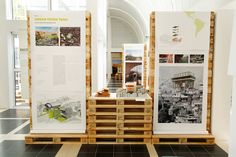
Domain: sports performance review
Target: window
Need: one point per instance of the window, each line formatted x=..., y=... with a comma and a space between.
x=20, y=7
x=68, y=4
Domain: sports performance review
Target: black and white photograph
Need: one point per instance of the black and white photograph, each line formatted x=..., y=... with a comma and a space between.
x=180, y=95
x=181, y=58
x=197, y=59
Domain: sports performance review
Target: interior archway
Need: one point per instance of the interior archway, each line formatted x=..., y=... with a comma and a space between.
x=125, y=25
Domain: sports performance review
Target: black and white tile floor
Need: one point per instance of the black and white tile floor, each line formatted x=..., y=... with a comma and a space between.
x=113, y=85
x=14, y=125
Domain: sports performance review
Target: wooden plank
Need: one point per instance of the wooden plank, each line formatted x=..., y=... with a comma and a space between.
x=151, y=150
x=145, y=67
x=116, y=98
x=184, y=136
x=152, y=56
x=120, y=136
x=69, y=150
x=210, y=72
x=29, y=70
x=125, y=113
x=191, y=139
x=88, y=55
x=124, y=128
x=125, y=106
x=55, y=138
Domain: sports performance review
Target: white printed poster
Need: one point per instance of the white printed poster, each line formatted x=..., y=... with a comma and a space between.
x=181, y=72
x=133, y=59
x=58, y=71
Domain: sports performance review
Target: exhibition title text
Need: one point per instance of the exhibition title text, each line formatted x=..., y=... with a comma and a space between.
x=50, y=19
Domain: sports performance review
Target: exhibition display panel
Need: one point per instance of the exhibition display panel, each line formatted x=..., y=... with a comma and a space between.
x=181, y=65
x=60, y=75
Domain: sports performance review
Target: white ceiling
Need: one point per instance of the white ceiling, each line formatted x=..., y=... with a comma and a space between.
x=129, y=13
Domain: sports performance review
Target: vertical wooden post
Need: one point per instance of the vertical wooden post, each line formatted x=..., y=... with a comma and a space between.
x=210, y=71
x=88, y=55
x=29, y=70
x=145, y=67
x=152, y=56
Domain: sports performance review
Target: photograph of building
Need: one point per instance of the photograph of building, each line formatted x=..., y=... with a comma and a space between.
x=180, y=95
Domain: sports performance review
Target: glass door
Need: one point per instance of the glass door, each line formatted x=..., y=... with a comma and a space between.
x=20, y=73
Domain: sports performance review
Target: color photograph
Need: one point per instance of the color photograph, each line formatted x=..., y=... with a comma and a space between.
x=46, y=36
x=180, y=95
x=181, y=58
x=133, y=55
x=133, y=73
x=70, y=36
x=166, y=58
x=197, y=59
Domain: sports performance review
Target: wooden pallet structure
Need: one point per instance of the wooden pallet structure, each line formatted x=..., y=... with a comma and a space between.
x=56, y=139
x=183, y=139
x=119, y=120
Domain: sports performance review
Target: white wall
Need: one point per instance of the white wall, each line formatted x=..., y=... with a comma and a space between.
x=222, y=82
x=121, y=33
x=232, y=150
x=232, y=71
x=4, y=96
x=7, y=95
x=98, y=10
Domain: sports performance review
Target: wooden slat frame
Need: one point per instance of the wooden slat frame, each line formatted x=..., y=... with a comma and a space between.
x=88, y=64
x=210, y=64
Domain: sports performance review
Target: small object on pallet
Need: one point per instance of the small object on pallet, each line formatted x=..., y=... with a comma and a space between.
x=130, y=87
x=104, y=93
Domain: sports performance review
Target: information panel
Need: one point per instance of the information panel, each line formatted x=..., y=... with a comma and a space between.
x=181, y=72
x=58, y=71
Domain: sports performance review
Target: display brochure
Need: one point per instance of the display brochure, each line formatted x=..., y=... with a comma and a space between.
x=133, y=60
x=58, y=71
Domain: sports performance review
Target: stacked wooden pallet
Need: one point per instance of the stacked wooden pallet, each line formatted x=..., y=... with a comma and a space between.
x=206, y=139
x=117, y=120
x=56, y=139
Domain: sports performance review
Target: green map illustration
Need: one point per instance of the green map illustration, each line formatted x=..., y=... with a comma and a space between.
x=198, y=23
